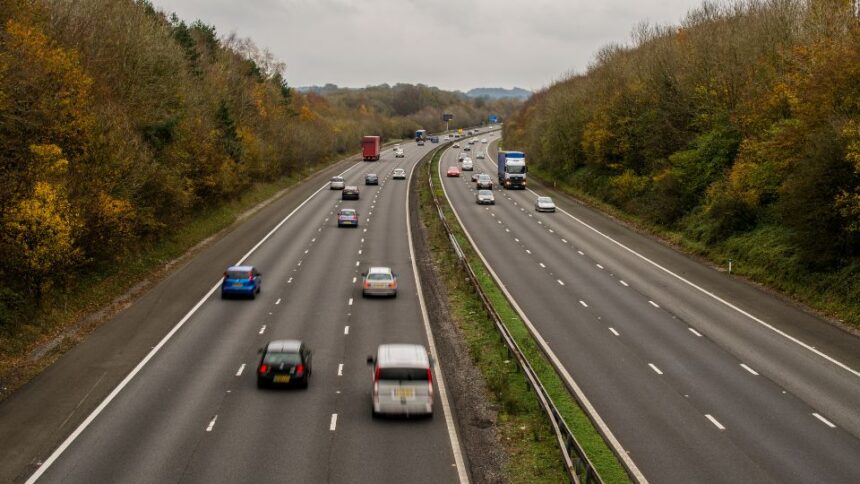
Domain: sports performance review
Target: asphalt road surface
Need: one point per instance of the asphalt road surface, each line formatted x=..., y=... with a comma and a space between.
x=700, y=377
x=191, y=412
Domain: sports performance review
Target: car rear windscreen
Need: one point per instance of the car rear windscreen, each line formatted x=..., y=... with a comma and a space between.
x=282, y=358
x=377, y=277
x=238, y=274
x=409, y=374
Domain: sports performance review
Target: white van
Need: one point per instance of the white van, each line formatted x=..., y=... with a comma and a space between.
x=402, y=380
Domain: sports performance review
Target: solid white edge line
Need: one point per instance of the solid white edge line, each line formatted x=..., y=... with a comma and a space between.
x=155, y=349
x=824, y=420
x=620, y=452
x=712, y=295
x=714, y=421
x=747, y=368
x=440, y=380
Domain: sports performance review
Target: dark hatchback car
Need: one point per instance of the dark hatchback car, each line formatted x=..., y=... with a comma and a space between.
x=241, y=281
x=284, y=362
x=349, y=193
x=371, y=179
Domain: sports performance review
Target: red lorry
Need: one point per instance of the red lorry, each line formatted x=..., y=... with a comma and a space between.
x=370, y=146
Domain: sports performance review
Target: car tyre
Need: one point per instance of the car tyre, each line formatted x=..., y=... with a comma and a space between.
x=261, y=383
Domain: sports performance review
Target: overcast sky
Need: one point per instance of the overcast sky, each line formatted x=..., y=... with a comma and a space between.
x=452, y=44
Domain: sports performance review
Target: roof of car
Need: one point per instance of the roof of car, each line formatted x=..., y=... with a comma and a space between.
x=408, y=355
x=284, y=345
x=399, y=169
x=347, y=210
x=337, y=178
x=371, y=174
x=544, y=199
x=482, y=175
x=350, y=187
x=240, y=268
x=485, y=192
x=379, y=270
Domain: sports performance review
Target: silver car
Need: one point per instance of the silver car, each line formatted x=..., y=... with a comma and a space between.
x=399, y=174
x=402, y=380
x=468, y=165
x=337, y=183
x=544, y=204
x=379, y=281
x=398, y=153
x=480, y=155
x=485, y=197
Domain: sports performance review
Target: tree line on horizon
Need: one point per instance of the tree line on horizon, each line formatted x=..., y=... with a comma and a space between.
x=738, y=129
x=119, y=123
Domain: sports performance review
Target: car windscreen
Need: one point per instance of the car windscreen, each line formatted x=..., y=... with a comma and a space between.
x=485, y=193
x=515, y=169
x=347, y=213
x=379, y=276
x=408, y=374
x=238, y=274
x=282, y=358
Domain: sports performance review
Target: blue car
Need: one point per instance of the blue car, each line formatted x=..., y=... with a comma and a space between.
x=241, y=281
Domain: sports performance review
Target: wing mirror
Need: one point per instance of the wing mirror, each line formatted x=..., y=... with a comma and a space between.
x=370, y=360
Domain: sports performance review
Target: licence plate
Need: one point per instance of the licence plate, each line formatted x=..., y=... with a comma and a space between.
x=282, y=378
x=404, y=393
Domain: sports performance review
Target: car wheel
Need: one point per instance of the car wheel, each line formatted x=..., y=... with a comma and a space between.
x=253, y=295
x=261, y=383
x=223, y=296
x=304, y=385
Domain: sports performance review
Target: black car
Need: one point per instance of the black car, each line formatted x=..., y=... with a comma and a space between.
x=371, y=179
x=349, y=193
x=284, y=362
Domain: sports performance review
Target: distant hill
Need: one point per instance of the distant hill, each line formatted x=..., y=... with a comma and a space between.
x=499, y=93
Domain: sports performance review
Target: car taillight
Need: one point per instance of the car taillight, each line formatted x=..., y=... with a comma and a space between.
x=429, y=382
x=300, y=369
x=264, y=369
x=367, y=284
x=392, y=285
x=250, y=276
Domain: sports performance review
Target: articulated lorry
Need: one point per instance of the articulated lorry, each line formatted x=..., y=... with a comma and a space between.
x=512, y=169
x=370, y=146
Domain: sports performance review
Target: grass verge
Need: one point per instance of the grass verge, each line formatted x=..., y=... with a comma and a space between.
x=65, y=317
x=533, y=454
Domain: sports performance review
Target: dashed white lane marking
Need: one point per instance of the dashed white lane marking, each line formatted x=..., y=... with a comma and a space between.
x=551, y=231
x=346, y=330
x=695, y=332
x=826, y=422
x=583, y=303
x=516, y=240
x=241, y=369
x=359, y=251
x=654, y=367
x=715, y=421
x=333, y=423
x=340, y=369
x=357, y=263
x=564, y=240
x=599, y=266
x=354, y=279
x=580, y=252
x=289, y=280
x=350, y=301
x=654, y=304
x=365, y=230
x=542, y=265
x=278, y=301
x=614, y=332
x=528, y=251
x=362, y=240
x=306, y=251
x=560, y=281
x=507, y=229
x=747, y=368
x=300, y=263
x=624, y=283
x=263, y=329
x=313, y=239
x=211, y=424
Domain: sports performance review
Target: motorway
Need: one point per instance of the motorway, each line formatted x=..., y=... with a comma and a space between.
x=698, y=377
x=191, y=411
